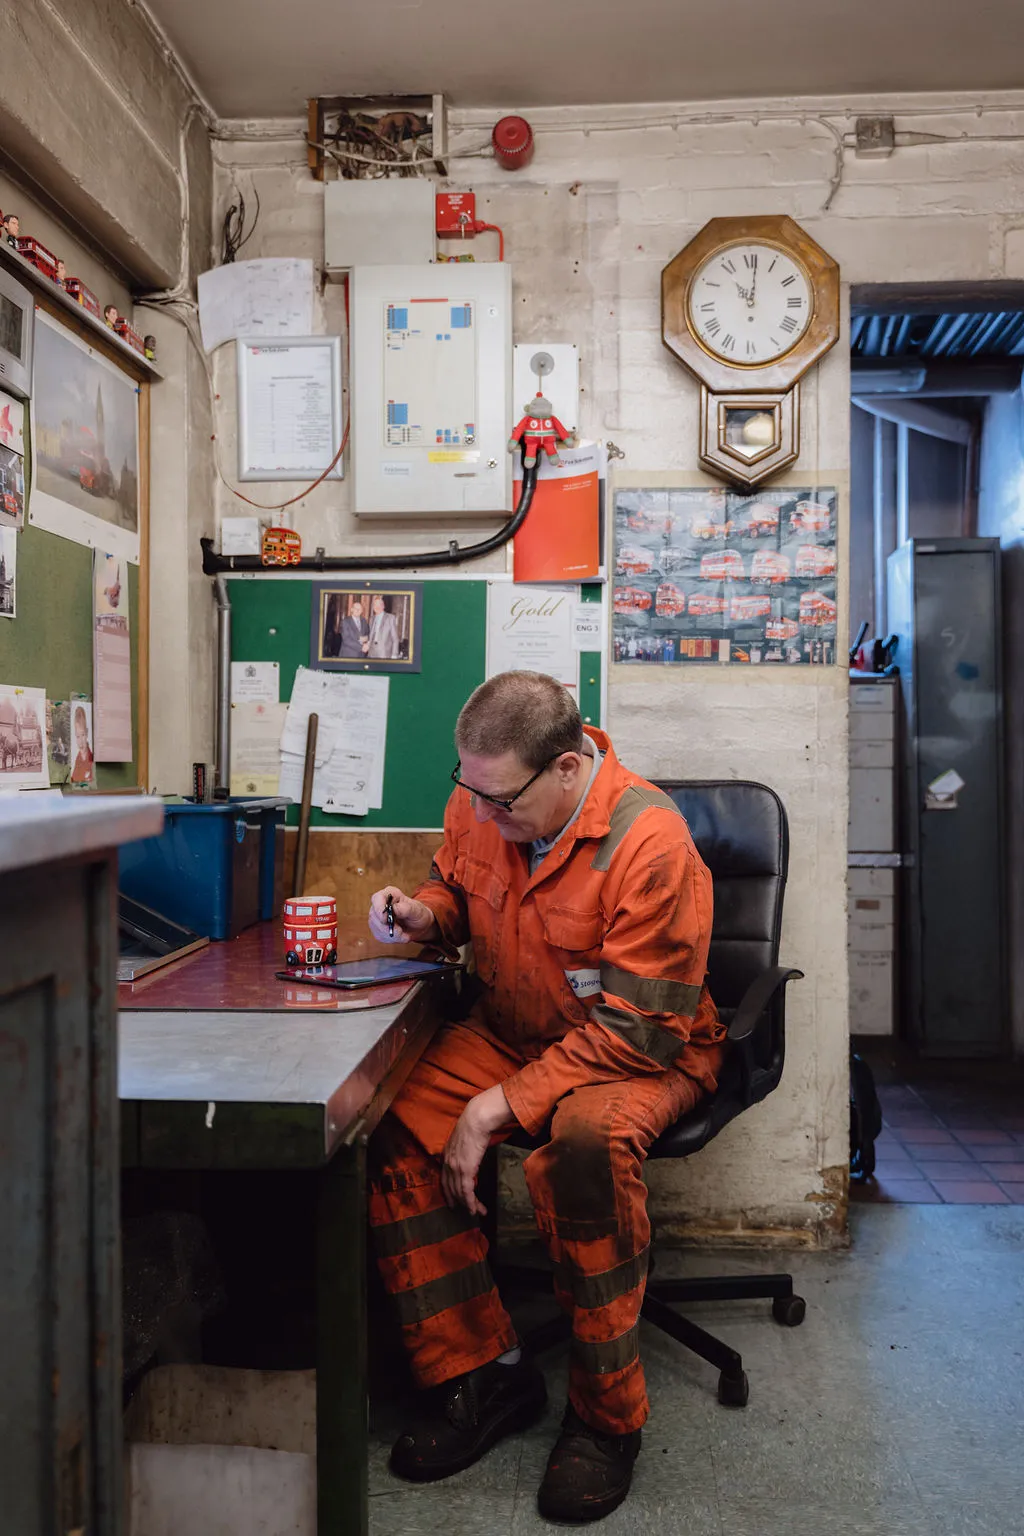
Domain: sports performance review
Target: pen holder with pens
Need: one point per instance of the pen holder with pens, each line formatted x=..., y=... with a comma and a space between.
x=310, y=925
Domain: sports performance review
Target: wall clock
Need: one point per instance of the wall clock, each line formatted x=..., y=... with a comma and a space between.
x=748, y=307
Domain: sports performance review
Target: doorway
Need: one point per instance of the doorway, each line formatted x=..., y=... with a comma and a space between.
x=937, y=464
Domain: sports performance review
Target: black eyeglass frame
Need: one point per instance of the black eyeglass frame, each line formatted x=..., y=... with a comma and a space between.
x=502, y=805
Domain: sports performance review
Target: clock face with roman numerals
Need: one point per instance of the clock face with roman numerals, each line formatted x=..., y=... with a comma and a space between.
x=750, y=303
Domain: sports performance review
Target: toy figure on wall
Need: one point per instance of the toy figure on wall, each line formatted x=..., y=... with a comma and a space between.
x=11, y=228
x=62, y=273
x=540, y=428
x=110, y=315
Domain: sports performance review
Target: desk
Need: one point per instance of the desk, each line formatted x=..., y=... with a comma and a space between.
x=261, y=1089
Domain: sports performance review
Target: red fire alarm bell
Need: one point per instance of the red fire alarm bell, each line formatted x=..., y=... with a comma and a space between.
x=512, y=141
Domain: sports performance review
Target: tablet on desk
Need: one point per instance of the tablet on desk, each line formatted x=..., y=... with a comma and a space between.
x=367, y=973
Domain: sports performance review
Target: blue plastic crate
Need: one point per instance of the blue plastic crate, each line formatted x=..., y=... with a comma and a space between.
x=271, y=852
x=204, y=870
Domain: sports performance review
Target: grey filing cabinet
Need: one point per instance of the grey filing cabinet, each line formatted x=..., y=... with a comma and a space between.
x=873, y=854
x=944, y=604
x=60, y=1385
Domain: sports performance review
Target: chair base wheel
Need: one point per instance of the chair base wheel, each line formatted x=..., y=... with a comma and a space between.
x=733, y=1391
x=790, y=1311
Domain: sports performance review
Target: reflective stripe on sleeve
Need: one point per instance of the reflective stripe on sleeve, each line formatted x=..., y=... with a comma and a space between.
x=655, y=994
x=644, y=1035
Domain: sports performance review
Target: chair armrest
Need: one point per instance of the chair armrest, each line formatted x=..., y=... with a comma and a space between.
x=756, y=999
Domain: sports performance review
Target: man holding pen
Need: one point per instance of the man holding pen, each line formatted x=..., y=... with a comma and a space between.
x=589, y=911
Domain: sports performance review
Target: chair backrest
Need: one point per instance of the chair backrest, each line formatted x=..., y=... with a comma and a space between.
x=741, y=833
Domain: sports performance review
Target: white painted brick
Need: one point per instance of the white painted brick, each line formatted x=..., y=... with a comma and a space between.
x=1013, y=259
x=742, y=169
x=799, y=202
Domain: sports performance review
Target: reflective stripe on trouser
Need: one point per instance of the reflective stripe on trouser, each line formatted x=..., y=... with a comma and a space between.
x=590, y=1203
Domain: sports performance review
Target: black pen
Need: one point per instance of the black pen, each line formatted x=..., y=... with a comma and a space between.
x=389, y=913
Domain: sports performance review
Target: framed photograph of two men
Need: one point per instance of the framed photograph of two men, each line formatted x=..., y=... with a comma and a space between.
x=367, y=626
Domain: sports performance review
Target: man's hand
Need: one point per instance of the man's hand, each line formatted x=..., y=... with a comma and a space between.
x=414, y=921
x=469, y=1140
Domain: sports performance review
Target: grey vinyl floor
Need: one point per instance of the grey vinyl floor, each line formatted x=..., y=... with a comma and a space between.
x=897, y=1409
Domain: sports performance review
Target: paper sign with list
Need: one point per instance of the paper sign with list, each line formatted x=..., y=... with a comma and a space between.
x=289, y=408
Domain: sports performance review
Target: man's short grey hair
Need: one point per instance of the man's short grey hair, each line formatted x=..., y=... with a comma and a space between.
x=527, y=713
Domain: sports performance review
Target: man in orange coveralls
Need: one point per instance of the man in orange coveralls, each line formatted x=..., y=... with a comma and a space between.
x=590, y=911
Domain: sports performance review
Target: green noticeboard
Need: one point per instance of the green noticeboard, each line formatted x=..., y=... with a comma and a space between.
x=270, y=621
x=49, y=644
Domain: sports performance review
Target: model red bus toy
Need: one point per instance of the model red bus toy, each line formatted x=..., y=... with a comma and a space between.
x=281, y=546
x=131, y=336
x=310, y=925
x=670, y=601
x=43, y=260
x=781, y=629
x=816, y=608
x=631, y=600
x=76, y=289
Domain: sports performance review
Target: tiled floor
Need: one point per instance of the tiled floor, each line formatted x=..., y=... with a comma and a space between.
x=895, y=1410
x=953, y=1133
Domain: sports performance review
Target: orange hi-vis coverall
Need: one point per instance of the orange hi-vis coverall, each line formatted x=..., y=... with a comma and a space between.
x=596, y=1020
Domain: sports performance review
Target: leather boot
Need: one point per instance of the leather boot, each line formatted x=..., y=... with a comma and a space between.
x=464, y=1417
x=588, y=1473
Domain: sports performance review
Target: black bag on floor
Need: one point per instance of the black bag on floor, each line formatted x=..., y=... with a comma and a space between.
x=865, y=1119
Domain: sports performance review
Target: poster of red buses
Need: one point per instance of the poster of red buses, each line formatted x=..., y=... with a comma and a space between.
x=721, y=576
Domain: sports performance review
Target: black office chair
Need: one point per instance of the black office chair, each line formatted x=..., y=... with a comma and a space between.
x=742, y=835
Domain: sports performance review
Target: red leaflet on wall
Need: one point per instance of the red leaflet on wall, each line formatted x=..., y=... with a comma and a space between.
x=561, y=537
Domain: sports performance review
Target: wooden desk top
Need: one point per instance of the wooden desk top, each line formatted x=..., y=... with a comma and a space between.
x=238, y=974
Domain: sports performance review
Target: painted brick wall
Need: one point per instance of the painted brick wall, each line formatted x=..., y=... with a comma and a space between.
x=611, y=196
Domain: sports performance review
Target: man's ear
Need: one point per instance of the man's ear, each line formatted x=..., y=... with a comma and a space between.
x=569, y=766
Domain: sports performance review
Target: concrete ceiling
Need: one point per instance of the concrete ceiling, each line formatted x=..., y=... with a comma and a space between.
x=263, y=58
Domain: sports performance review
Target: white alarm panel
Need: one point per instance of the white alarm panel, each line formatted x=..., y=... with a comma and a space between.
x=431, y=401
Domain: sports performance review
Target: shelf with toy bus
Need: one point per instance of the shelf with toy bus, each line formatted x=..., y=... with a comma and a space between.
x=37, y=281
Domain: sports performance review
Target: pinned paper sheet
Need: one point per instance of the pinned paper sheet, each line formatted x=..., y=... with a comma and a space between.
x=587, y=627
x=272, y=296
x=352, y=713
x=255, y=682
x=255, y=747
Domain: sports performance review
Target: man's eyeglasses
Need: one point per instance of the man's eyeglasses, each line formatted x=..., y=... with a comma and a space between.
x=496, y=800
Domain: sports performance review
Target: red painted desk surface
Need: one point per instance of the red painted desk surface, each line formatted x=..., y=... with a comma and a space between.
x=239, y=974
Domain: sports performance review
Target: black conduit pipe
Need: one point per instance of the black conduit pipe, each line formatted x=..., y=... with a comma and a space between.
x=216, y=565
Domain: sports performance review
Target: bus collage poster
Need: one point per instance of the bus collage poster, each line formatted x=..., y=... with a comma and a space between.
x=712, y=575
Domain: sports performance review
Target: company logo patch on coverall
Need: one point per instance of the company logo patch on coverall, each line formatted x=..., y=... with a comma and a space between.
x=584, y=983
x=596, y=1020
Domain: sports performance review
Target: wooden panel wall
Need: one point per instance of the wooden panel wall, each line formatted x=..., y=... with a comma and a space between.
x=350, y=866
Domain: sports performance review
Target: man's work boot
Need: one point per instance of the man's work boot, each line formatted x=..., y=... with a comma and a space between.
x=466, y=1416
x=588, y=1473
